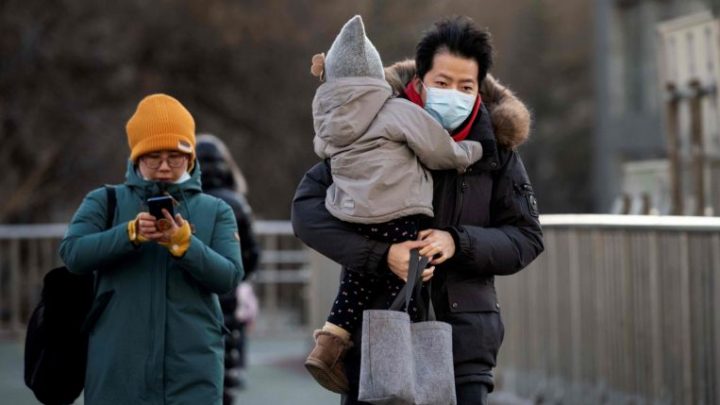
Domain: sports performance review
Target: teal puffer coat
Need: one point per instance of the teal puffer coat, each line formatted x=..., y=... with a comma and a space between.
x=157, y=332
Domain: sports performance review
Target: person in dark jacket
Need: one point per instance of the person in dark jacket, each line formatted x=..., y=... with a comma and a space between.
x=486, y=219
x=222, y=178
x=381, y=180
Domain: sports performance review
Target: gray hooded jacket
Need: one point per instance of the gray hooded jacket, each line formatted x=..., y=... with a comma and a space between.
x=380, y=150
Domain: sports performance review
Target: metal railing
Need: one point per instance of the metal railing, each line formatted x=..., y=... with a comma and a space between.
x=27, y=252
x=619, y=309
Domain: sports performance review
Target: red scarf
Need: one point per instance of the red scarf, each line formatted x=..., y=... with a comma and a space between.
x=460, y=133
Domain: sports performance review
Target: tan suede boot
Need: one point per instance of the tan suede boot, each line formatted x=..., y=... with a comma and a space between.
x=325, y=362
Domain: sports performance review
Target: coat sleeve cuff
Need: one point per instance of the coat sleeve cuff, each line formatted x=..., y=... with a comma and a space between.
x=133, y=233
x=462, y=241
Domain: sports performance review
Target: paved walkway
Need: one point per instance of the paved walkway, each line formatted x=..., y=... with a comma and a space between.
x=276, y=376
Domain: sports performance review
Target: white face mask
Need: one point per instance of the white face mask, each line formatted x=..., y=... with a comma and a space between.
x=185, y=177
x=448, y=106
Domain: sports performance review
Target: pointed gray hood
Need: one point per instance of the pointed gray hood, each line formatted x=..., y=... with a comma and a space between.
x=352, y=54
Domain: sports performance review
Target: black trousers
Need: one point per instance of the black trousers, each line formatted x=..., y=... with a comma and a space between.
x=474, y=393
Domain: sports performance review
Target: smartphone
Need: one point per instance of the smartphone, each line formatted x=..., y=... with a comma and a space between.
x=156, y=204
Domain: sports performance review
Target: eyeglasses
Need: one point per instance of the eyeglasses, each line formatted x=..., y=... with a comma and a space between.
x=154, y=162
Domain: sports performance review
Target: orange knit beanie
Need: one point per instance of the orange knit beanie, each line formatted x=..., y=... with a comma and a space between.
x=161, y=123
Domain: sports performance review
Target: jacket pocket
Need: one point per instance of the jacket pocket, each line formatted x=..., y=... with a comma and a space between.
x=98, y=307
x=477, y=337
x=476, y=295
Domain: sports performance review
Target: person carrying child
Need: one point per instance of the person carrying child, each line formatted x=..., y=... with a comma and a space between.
x=380, y=149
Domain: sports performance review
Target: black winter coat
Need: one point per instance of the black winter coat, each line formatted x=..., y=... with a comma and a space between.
x=248, y=245
x=218, y=181
x=492, y=214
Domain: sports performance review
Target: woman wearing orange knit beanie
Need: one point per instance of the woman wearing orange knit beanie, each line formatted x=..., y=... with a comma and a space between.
x=158, y=337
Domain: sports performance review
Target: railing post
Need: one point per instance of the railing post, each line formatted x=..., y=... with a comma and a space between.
x=674, y=148
x=271, y=286
x=656, y=318
x=551, y=329
x=14, y=287
x=575, y=305
x=684, y=327
x=33, y=274
x=697, y=152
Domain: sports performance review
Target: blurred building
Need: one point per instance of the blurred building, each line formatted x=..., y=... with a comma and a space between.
x=657, y=137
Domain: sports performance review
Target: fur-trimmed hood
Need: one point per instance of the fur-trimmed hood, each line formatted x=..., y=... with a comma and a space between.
x=510, y=117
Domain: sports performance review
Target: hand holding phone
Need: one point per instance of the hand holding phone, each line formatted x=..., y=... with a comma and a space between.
x=156, y=204
x=155, y=207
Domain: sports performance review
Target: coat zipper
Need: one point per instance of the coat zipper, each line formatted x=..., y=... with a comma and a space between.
x=462, y=186
x=152, y=355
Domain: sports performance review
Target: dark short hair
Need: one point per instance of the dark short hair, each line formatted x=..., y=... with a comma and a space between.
x=460, y=36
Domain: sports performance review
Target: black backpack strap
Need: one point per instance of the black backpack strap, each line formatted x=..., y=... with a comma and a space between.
x=111, y=204
x=109, y=220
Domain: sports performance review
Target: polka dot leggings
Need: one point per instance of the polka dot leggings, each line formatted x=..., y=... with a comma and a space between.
x=357, y=291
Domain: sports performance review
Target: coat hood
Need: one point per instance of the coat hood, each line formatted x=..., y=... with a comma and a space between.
x=216, y=172
x=149, y=188
x=510, y=117
x=343, y=109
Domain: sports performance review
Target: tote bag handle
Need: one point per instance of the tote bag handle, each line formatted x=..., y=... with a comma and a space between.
x=416, y=265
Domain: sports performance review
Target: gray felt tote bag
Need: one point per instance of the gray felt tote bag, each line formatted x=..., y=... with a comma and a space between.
x=403, y=362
